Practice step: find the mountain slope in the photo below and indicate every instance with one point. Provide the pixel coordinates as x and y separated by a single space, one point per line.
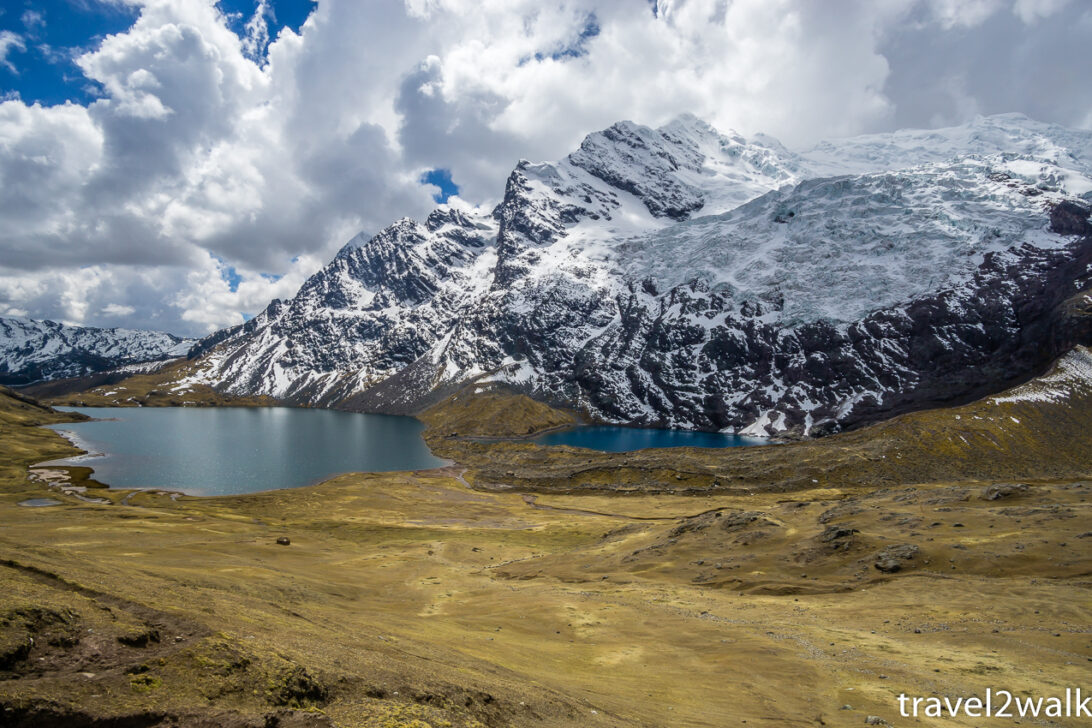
32 351
682 277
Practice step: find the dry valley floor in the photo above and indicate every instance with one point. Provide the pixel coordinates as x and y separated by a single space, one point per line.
806 584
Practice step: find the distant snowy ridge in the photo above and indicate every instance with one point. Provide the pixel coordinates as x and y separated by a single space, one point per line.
33 351
683 277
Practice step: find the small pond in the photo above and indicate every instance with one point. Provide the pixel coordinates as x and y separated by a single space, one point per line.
625 439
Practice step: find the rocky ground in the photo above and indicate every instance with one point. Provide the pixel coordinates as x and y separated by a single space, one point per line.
810 583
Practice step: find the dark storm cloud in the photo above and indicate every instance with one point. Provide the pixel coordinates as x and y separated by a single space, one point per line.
941 77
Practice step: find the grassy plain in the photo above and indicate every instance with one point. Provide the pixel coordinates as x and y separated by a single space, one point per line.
806 584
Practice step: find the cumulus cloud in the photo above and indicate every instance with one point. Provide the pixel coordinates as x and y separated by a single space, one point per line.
207 293
216 170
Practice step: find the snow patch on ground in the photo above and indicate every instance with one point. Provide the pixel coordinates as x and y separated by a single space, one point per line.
1071 374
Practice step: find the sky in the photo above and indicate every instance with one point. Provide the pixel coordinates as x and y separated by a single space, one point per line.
177 164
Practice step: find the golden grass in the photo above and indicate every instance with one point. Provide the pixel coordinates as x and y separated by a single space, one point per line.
158 389
408 599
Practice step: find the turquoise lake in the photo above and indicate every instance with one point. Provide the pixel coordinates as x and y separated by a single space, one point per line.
231 450
625 439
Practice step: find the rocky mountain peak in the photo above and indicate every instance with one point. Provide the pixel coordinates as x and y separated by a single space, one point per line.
646 163
683 277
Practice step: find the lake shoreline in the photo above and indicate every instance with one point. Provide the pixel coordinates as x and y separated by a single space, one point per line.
215 451
92 452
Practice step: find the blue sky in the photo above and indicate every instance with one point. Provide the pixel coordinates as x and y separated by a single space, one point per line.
52 33
441 178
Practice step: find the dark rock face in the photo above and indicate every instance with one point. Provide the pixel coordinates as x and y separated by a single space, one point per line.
632 158
1070 218
1004 326
531 217
75 363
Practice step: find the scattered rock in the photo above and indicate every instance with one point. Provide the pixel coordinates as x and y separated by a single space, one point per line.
294 687
998 491
836 533
892 558
839 511
875 720
283 541
737 521
140 638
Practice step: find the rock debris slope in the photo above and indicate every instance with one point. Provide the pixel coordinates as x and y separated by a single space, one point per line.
683 277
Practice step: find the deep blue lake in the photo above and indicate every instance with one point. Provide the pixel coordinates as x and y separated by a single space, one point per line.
624 439
229 450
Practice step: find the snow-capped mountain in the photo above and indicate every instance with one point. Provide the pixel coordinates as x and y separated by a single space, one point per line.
33 351
679 276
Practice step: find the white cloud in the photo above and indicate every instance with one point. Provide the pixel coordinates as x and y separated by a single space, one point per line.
208 295
972 13
10 41
963 104
204 149
964 13
256 35
117 309
1031 11
516 79
32 20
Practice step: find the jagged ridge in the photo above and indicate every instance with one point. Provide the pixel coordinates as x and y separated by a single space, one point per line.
33 351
